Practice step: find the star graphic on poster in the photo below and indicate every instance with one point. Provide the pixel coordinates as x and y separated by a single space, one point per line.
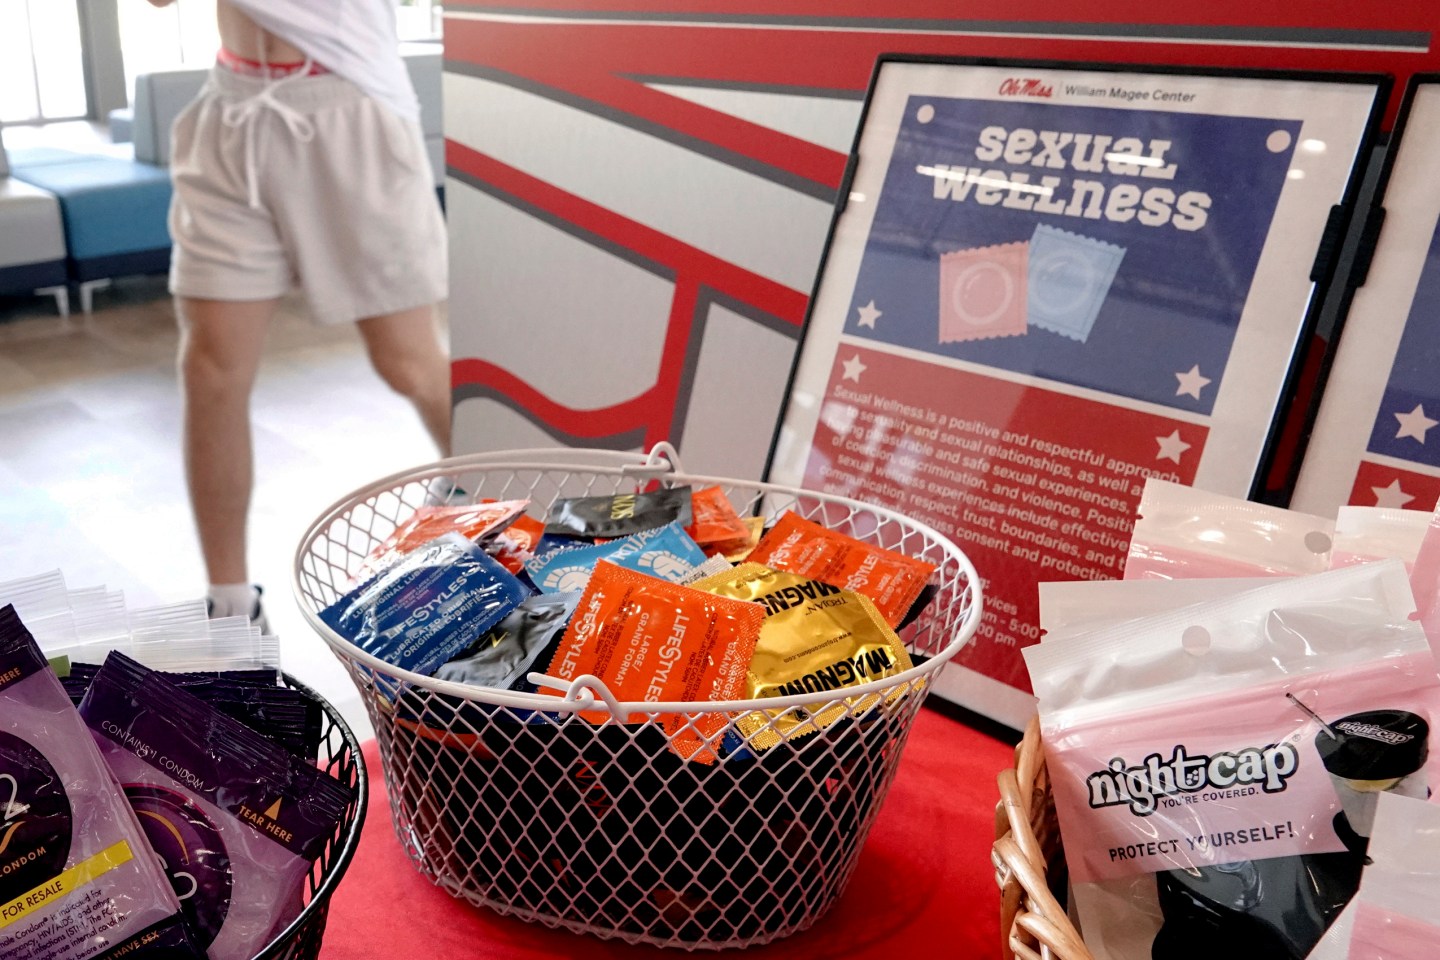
1392 496
1171 447
1414 424
868 315
853 368
1191 383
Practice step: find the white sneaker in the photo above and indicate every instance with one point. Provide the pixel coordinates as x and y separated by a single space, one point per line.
257 612
444 492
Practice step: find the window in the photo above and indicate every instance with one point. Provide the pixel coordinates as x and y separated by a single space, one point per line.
183 34
418 19
41 76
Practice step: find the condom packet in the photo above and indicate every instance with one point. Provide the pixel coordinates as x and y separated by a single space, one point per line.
892 580
286 716
711 567
77 876
713 518
619 515
77 681
653 641
1393 917
235 819
1365 534
475 522
1185 533
1216 768
516 543
666 552
738 549
429 606
508 651
816 637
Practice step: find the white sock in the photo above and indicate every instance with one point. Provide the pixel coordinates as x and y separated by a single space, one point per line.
232 599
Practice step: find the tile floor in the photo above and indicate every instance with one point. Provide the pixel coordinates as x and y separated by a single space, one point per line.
90 470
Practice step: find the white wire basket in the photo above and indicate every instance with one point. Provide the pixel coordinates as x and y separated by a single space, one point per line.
518 802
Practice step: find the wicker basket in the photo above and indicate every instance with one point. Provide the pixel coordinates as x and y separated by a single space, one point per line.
1029 865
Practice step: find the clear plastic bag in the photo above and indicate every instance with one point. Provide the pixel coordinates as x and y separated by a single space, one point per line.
1366 534
1072 607
1186 533
1395 915
1216 768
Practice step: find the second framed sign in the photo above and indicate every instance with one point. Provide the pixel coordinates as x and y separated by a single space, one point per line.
1371 445
1048 282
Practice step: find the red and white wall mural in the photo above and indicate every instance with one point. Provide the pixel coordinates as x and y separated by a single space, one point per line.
639 191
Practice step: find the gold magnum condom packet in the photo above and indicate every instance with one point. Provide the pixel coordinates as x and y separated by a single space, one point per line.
77 876
816 637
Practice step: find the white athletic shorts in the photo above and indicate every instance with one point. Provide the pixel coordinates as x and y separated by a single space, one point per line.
310 183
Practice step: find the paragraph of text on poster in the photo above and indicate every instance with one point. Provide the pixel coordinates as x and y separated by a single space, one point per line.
1031 483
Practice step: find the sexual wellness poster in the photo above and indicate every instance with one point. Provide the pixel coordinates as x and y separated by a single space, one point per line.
1050 290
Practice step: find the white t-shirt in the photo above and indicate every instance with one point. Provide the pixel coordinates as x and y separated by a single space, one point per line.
355 39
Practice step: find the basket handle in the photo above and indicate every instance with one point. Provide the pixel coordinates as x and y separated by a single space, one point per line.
587 690
662 459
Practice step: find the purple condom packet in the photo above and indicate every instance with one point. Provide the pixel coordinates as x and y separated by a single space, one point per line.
286 716
666 552
428 607
236 820
78 880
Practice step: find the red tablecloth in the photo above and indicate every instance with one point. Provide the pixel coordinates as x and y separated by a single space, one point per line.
923 889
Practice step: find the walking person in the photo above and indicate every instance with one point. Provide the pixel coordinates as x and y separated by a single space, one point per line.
301 163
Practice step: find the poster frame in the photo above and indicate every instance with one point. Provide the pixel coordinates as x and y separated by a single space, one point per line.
1323 270
1370 226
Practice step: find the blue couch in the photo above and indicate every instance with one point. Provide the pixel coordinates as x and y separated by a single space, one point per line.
32 239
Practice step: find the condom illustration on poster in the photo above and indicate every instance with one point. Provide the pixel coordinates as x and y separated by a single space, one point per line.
1374 443
1046 284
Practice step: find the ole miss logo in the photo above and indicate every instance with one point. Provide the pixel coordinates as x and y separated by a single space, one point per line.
1025 87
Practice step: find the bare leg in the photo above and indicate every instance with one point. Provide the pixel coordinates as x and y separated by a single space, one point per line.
220 346
406 352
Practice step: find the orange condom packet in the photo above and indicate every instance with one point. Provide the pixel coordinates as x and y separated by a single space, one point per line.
738 549
713 518
892 580
474 522
816 637
516 543
654 641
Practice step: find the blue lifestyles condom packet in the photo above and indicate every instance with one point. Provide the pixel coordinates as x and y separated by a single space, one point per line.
429 607
234 819
666 552
78 880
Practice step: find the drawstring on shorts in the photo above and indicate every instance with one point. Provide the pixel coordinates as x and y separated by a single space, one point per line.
246 113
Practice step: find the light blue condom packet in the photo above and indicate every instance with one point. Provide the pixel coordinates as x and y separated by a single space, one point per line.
665 552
